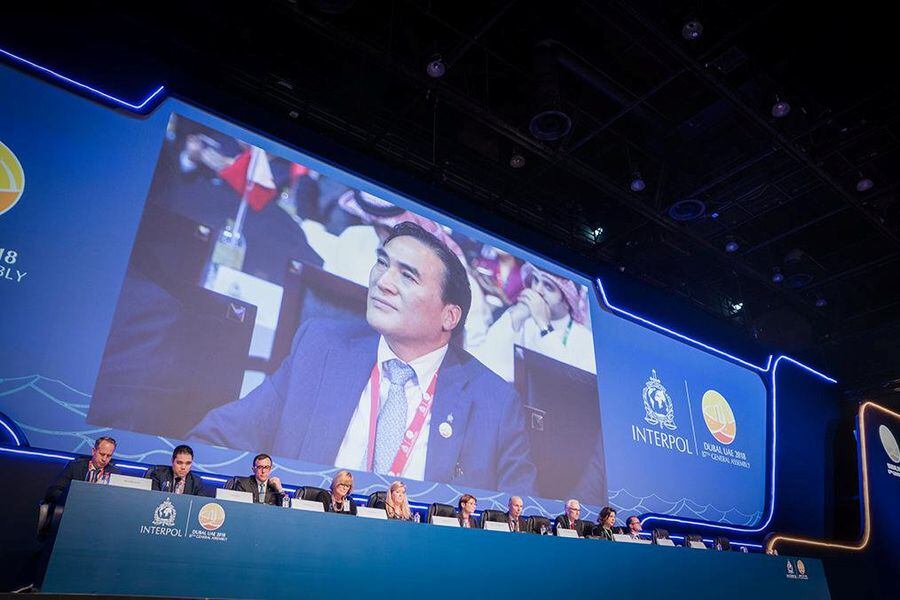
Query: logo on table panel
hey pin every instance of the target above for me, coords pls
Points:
(889, 442)
(657, 403)
(163, 521)
(12, 179)
(164, 515)
(719, 417)
(801, 568)
(211, 516)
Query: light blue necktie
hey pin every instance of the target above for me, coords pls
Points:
(392, 416)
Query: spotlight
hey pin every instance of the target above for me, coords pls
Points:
(732, 246)
(777, 275)
(821, 302)
(637, 182)
(436, 67)
(598, 233)
(550, 125)
(692, 30)
(781, 108)
(516, 161)
(864, 184)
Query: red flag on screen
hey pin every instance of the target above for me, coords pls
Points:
(258, 186)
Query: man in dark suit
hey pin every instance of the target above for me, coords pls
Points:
(570, 519)
(517, 523)
(317, 406)
(95, 469)
(178, 478)
(265, 489)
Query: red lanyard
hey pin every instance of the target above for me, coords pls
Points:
(412, 432)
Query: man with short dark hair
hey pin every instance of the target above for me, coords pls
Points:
(265, 488)
(634, 527)
(95, 469)
(178, 478)
(393, 396)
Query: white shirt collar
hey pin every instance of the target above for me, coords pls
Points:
(424, 367)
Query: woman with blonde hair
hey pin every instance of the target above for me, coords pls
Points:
(396, 505)
(341, 486)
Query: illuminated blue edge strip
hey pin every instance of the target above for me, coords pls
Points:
(140, 108)
(770, 367)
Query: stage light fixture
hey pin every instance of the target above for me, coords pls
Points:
(732, 246)
(777, 275)
(821, 302)
(864, 184)
(436, 67)
(781, 108)
(692, 30)
(516, 161)
(637, 182)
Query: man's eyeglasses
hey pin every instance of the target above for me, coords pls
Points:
(262, 467)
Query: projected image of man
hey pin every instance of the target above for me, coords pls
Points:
(550, 316)
(393, 395)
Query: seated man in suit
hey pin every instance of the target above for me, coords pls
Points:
(95, 469)
(178, 478)
(438, 413)
(634, 527)
(570, 520)
(517, 523)
(265, 489)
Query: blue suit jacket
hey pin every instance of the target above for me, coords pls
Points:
(303, 410)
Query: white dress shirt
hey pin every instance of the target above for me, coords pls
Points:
(352, 454)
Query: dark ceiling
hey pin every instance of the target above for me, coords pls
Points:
(693, 117)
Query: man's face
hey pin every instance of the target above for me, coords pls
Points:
(634, 525)
(515, 508)
(573, 511)
(181, 464)
(102, 454)
(262, 468)
(551, 294)
(405, 288)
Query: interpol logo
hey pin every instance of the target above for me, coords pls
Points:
(12, 179)
(165, 514)
(163, 521)
(657, 403)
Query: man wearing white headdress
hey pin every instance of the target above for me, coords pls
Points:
(550, 316)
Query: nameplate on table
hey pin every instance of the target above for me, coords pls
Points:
(445, 521)
(665, 542)
(563, 532)
(697, 545)
(128, 481)
(370, 513)
(624, 537)
(308, 505)
(496, 526)
(234, 495)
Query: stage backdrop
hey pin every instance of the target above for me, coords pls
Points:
(177, 277)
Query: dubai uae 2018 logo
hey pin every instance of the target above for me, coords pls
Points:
(211, 516)
(719, 417)
(889, 442)
(12, 179)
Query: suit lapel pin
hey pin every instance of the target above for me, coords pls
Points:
(445, 430)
